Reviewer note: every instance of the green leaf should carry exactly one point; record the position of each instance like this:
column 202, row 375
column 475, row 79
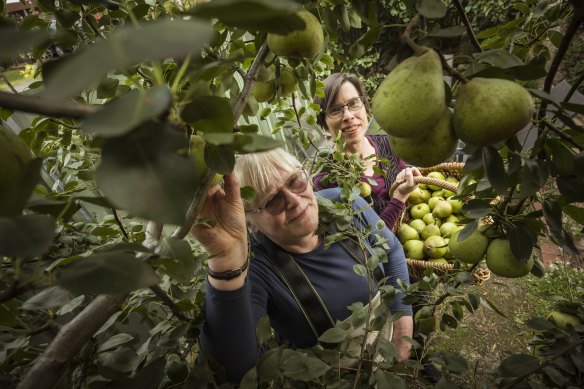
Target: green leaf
column 13, row 42
column 495, row 169
column 26, row 236
column 448, row 32
column 527, row 72
column 573, row 107
column 365, row 41
column 385, row 379
column 13, row 199
column 101, row 201
column 254, row 15
column 126, row 46
column 455, row 362
column 304, row 368
column 476, row 208
column 449, row 320
column 333, row 335
column 518, row 365
column 63, row 209
column 575, row 212
column 128, row 112
column 571, row 187
column 220, row 158
column 123, row 359
column 552, row 212
column 264, row 330
column 143, row 168
column 51, row 297
column 115, row 341
column 522, row 240
column 538, row 269
column 107, row 273
column 209, row 114
column 544, row 96
column 534, row 175
column 253, row 143
column 431, row 9
column 540, row 324
column 500, row 58
column 489, row 305
column 177, row 259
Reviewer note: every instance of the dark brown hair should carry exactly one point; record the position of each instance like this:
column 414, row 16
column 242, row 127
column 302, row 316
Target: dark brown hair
column 332, row 85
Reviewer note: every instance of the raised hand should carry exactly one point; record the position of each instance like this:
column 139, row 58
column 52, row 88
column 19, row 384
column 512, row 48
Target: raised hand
column 407, row 184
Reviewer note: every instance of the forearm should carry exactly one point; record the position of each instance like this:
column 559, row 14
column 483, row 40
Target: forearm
column 392, row 212
column 404, row 326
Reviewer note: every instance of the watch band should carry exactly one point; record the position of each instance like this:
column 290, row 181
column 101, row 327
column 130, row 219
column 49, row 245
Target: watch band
column 229, row 274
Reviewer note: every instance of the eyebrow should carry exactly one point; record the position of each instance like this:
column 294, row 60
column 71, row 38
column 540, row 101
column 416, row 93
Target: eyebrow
column 270, row 195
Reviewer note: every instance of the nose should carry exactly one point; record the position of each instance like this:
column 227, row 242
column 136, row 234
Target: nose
column 347, row 113
column 292, row 199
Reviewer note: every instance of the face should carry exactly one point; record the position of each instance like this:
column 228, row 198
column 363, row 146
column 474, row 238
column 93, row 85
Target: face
column 298, row 216
column 352, row 124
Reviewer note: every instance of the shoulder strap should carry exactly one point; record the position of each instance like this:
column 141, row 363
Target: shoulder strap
column 310, row 303
column 355, row 251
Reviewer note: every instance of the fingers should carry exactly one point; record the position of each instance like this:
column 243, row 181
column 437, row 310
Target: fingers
column 231, row 187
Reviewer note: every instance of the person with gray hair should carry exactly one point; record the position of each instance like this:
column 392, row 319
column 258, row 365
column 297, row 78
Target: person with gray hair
column 284, row 214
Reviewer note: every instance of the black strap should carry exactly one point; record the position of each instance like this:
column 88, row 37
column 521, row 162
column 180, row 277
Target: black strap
column 306, row 296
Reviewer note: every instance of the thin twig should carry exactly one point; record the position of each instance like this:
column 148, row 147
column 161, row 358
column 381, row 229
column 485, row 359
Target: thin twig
column 7, row 81
column 407, row 34
column 574, row 88
column 120, row 224
column 573, row 28
column 562, row 135
column 450, row 70
column 297, row 116
column 469, row 30
column 41, row 106
column 169, row 303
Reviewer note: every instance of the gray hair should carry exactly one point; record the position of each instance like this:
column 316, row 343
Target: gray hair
column 260, row 170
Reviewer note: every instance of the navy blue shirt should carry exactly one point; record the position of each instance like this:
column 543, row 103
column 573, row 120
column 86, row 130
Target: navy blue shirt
column 228, row 334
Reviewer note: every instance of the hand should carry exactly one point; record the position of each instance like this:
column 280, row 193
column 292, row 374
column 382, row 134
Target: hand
column 407, row 185
column 404, row 326
column 226, row 240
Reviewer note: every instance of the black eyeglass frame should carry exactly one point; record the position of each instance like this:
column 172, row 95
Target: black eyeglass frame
column 327, row 112
column 299, row 173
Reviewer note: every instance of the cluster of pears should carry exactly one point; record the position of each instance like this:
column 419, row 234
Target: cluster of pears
column 410, row 105
column 268, row 85
column 434, row 216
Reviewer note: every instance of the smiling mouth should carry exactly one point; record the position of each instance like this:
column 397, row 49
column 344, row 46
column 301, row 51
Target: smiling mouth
column 350, row 129
column 302, row 213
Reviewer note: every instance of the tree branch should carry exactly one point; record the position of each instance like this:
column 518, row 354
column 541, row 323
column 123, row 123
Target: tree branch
column 571, row 31
column 169, row 303
column 120, row 224
column 153, row 234
column 466, row 22
column 249, row 80
column 407, row 34
column 562, row 135
column 50, row 365
column 574, row 88
column 7, row 81
column 38, row 105
column 450, row 70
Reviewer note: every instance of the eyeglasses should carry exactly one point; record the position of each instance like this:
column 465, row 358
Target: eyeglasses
column 297, row 183
column 336, row 111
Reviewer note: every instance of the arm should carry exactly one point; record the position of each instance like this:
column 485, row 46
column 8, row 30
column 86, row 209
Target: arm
column 228, row 335
column 404, row 326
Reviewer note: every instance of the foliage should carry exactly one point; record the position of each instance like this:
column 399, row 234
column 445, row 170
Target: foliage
column 133, row 80
column 573, row 64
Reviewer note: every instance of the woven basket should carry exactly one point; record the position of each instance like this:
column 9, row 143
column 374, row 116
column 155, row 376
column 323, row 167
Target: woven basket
column 416, row 267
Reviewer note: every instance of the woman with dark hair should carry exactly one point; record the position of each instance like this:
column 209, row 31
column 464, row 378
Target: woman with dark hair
column 345, row 109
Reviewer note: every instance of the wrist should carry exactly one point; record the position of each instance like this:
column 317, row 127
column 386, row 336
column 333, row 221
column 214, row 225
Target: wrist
column 226, row 275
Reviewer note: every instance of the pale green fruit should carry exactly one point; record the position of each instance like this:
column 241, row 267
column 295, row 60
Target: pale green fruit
column 502, row 262
column 441, row 261
column 14, row 158
column 418, row 196
column 414, row 249
column 452, row 179
column 430, row 149
column 406, row 233
column 563, row 319
column 456, row 205
column 448, row 255
column 419, row 210
column 434, row 246
column 430, row 230
column 446, row 229
column 437, row 175
column 410, row 101
column 305, row 43
column 197, row 153
column 263, row 91
column 434, row 200
column 447, row 193
column 442, row 209
column 287, row 82
column 364, row 189
column 452, row 218
column 471, row 250
column 489, row 110
column 430, row 219
column 438, row 193
column 418, row 225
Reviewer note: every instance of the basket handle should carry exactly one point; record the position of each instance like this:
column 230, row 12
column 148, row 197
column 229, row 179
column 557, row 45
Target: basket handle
column 445, row 167
column 451, row 186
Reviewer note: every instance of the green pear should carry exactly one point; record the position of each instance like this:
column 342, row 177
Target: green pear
column 418, row 225
column 410, row 101
column 430, row 219
column 431, row 149
column 437, row 175
column 446, row 229
column 434, row 246
column 288, row 82
column 456, row 205
column 405, row 233
column 502, row 262
column 305, row 43
column 489, row 110
column 442, row 209
column 434, row 200
column 470, row 250
column 430, row 230
column 418, row 196
column 441, row 261
column 414, row 249
column 452, row 218
column 263, row 90
column 419, row 210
